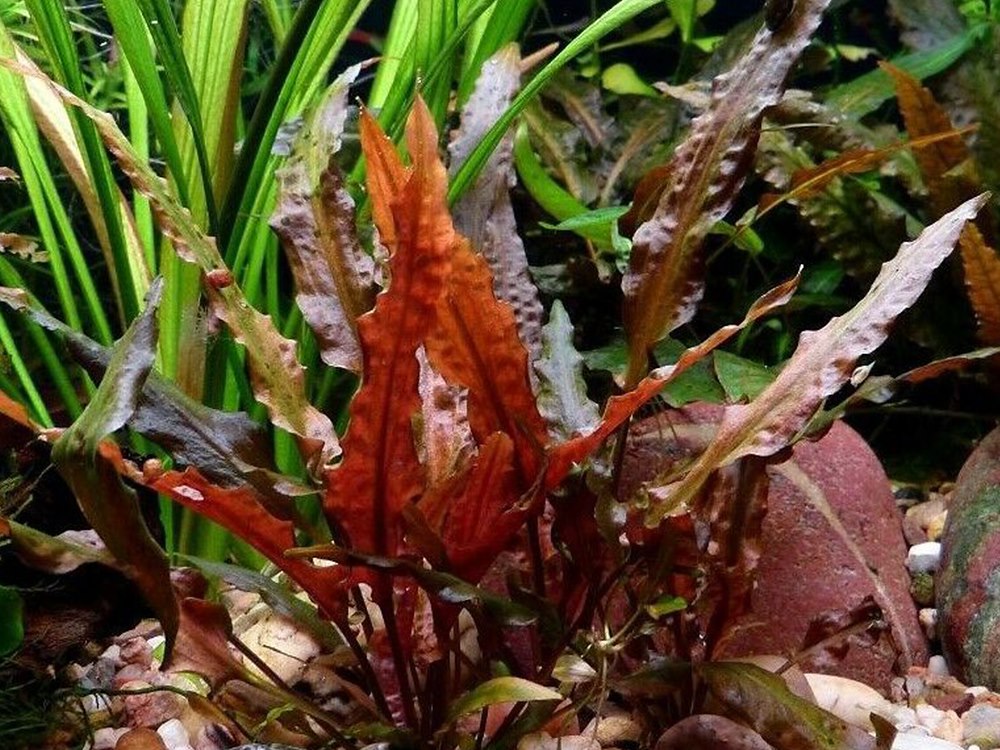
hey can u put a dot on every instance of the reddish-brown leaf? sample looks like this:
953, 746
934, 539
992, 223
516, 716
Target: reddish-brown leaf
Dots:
475, 343
385, 177
923, 116
663, 284
380, 473
620, 408
203, 644
981, 266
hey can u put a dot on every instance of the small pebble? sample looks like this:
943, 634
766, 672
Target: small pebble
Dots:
928, 617
923, 558
981, 725
173, 734
936, 665
921, 742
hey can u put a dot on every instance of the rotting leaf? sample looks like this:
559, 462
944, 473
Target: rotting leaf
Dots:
765, 703
314, 216
380, 473
111, 507
823, 362
484, 213
663, 284
562, 396
276, 375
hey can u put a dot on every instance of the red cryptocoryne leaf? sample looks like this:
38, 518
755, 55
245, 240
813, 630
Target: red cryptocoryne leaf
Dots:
240, 511
381, 473
981, 265
822, 362
475, 343
663, 284
620, 408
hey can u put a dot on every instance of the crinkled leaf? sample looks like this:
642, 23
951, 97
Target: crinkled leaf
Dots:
501, 690
314, 217
663, 284
380, 473
823, 361
111, 507
474, 343
444, 439
981, 266
484, 214
620, 408
562, 396
53, 554
277, 377
783, 719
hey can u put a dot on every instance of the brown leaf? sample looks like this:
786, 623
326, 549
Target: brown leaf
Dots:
663, 284
53, 554
474, 343
380, 473
923, 116
822, 362
981, 266
444, 439
314, 217
484, 213
620, 408
202, 644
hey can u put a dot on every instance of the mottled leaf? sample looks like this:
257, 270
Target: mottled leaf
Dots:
314, 216
484, 214
562, 395
981, 266
277, 377
380, 473
783, 719
663, 284
501, 690
108, 504
620, 408
444, 438
822, 363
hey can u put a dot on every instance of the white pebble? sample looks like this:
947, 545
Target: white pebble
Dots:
923, 557
936, 665
921, 742
173, 734
928, 617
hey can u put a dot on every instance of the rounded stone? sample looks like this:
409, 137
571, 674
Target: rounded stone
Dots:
832, 536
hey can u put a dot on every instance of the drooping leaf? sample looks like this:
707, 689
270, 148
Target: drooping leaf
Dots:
314, 216
227, 447
663, 284
240, 511
562, 397
108, 504
277, 376
981, 266
474, 343
783, 719
380, 473
484, 214
620, 408
53, 554
822, 363
501, 690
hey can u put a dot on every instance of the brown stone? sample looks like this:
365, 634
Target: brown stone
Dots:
831, 537
140, 739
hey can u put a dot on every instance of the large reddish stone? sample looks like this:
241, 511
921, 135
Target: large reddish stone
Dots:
968, 597
831, 537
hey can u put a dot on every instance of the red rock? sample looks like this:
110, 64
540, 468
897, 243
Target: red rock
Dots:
831, 537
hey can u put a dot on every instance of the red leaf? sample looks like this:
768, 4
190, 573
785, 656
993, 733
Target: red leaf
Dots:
381, 473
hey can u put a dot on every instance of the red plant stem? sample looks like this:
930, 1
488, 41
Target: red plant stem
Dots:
359, 653
382, 591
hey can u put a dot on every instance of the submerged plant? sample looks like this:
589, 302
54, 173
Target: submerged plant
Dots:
474, 490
